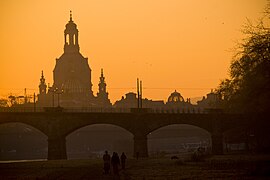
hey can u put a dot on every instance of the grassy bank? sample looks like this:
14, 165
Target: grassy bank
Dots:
215, 167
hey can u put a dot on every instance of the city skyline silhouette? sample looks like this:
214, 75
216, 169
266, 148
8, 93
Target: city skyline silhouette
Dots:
153, 48
180, 87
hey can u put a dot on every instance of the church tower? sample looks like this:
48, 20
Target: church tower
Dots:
71, 37
102, 87
72, 74
102, 95
42, 85
42, 96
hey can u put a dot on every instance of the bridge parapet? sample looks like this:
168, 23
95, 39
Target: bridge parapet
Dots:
185, 110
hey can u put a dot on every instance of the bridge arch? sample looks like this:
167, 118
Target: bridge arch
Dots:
87, 123
28, 122
177, 138
93, 139
166, 124
20, 140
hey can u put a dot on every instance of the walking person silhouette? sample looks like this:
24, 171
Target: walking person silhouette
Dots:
123, 160
115, 163
107, 162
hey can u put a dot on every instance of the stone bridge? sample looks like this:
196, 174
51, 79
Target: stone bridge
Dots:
57, 125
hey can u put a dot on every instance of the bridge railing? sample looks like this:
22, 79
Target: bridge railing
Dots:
70, 109
183, 110
21, 109
97, 110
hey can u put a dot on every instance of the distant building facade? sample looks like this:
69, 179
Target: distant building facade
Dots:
211, 101
175, 101
72, 86
131, 101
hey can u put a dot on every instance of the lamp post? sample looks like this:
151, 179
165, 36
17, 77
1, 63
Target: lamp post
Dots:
52, 91
34, 102
58, 92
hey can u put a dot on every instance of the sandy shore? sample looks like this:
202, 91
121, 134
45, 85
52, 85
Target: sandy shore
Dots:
215, 167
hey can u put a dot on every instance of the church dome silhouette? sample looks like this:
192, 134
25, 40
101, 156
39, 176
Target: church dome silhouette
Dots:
175, 97
71, 25
72, 76
72, 86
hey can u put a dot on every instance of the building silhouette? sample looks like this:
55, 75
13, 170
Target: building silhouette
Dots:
175, 101
72, 86
102, 95
211, 101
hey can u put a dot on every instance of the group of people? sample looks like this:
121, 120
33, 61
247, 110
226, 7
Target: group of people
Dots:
114, 161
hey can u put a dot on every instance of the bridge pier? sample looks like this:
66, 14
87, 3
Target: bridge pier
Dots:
140, 146
57, 148
217, 144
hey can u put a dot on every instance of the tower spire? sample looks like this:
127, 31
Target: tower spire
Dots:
70, 15
71, 43
42, 85
42, 79
102, 94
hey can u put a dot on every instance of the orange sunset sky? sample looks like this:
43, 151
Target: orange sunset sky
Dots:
185, 45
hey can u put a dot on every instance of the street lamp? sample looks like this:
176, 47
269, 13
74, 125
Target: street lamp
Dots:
52, 90
58, 92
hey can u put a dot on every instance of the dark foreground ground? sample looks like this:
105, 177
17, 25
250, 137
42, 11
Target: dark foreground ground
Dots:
215, 167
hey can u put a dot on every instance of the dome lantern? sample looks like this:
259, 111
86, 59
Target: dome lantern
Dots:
175, 97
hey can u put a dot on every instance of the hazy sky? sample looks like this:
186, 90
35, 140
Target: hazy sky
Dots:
170, 44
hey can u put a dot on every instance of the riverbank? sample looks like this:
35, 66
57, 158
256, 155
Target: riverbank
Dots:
215, 167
